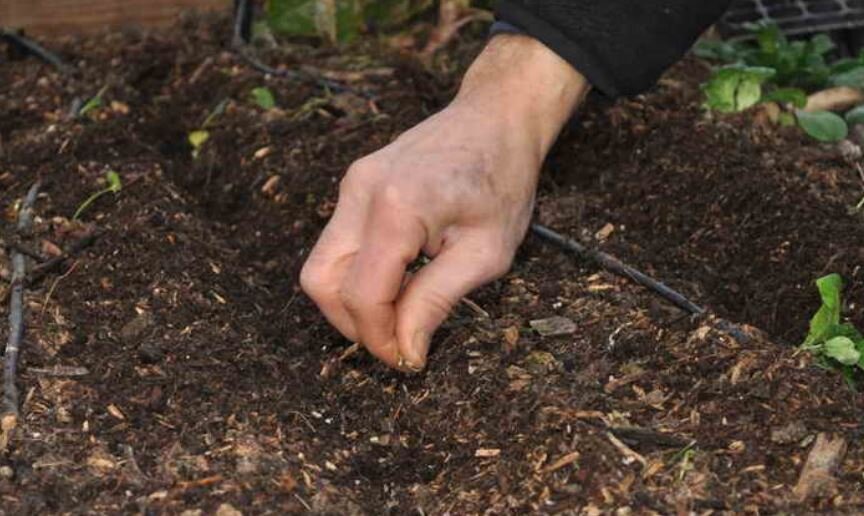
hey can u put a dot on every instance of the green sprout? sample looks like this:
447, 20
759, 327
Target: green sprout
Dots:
93, 103
114, 186
198, 137
263, 97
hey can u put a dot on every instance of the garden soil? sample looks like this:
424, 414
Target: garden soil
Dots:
174, 365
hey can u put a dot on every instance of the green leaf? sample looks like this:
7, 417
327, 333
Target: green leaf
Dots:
843, 350
263, 97
114, 183
92, 104
853, 77
292, 17
786, 119
795, 96
820, 44
828, 315
334, 20
824, 126
736, 87
855, 115
748, 94
196, 140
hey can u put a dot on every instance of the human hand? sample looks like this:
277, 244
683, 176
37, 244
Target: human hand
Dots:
459, 187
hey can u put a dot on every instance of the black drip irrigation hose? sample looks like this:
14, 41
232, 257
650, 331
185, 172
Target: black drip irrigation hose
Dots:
28, 46
616, 266
240, 39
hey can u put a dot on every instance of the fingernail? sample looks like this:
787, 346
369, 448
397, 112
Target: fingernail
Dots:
419, 348
407, 366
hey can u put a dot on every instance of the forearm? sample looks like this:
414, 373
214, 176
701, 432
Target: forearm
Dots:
520, 82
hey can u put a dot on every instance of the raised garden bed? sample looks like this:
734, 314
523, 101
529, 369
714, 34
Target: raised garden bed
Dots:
193, 374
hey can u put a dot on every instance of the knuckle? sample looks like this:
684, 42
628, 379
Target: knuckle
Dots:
312, 280
350, 300
360, 175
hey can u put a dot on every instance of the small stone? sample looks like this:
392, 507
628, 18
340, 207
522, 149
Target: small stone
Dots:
849, 150
791, 433
6, 472
226, 509
553, 326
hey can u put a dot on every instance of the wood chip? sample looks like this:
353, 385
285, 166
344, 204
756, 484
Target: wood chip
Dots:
605, 232
270, 186
115, 412
487, 452
566, 460
553, 326
817, 477
59, 371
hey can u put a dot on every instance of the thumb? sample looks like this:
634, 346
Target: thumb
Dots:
434, 291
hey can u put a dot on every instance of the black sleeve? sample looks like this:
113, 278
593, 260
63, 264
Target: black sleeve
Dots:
621, 46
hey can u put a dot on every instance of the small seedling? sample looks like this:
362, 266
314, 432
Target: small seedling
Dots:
835, 345
114, 185
263, 97
93, 103
198, 137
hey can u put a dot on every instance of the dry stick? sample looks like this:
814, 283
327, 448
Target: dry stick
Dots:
9, 415
616, 266
44, 268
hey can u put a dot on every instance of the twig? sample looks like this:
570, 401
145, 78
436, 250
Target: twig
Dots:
616, 266
54, 287
626, 451
28, 46
48, 266
9, 414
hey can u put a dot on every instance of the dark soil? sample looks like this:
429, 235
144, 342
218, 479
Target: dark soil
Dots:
213, 382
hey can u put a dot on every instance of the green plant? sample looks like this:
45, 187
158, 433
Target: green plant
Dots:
93, 103
113, 185
263, 97
340, 21
198, 137
775, 69
836, 345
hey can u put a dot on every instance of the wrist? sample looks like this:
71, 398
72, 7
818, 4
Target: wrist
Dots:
519, 81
